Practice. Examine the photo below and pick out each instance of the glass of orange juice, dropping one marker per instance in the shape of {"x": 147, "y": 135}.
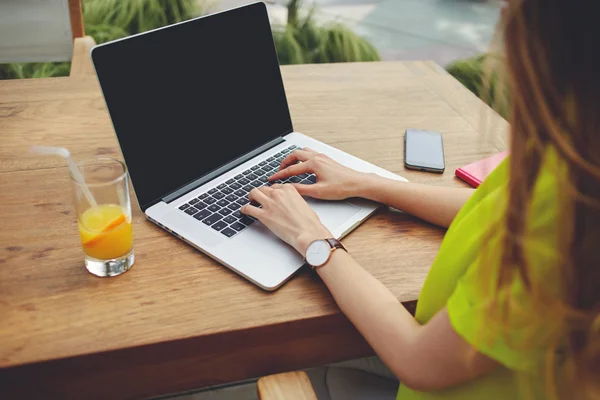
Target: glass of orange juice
{"x": 104, "y": 227}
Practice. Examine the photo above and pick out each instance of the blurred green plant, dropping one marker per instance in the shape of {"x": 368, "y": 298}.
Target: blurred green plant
{"x": 34, "y": 70}
{"x": 104, "y": 32}
{"x": 107, "y": 20}
{"x": 303, "y": 41}
{"x": 135, "y": 16}
{"x": 469, "y": 72}
{"x": 482, "y": 76}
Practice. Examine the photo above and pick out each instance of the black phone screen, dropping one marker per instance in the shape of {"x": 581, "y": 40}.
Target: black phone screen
{"x": 424, "y": 150}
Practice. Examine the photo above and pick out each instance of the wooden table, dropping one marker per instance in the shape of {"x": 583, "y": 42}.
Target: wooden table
{"x": 178, "y": 320}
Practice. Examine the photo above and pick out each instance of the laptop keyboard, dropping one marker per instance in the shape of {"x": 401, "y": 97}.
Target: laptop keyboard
{"x": 219, "y": 207}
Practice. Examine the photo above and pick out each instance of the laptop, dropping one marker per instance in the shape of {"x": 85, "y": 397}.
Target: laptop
{"x": 201, "y": 116}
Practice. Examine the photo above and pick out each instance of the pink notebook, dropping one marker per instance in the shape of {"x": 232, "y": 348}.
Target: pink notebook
{"x": 476, "y": 172}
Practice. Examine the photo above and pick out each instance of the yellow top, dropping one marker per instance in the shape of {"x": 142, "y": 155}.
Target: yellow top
{"x": 463, "y": 278}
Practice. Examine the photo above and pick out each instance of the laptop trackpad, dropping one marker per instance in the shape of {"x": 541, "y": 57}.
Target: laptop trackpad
{"x": 333, "y": 213}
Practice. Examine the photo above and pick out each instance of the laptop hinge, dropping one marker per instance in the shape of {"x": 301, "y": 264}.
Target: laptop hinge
{"x": 220, "y": 171}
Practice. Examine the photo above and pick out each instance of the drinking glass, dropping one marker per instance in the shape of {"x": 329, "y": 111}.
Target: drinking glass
{"x": 104, "y": 227}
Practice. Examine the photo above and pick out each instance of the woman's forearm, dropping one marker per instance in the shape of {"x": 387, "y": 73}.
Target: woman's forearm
{"x": 424, "y": 357}
{"x": 421, "y": 356}
{"x": 382, "y": 320}
{"x": 436, "y": 204}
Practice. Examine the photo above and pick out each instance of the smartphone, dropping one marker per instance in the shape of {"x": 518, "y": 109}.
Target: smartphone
{"x": 424, "y": 151}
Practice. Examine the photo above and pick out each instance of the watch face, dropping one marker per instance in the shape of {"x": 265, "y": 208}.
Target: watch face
{"x": 318, "y": 252}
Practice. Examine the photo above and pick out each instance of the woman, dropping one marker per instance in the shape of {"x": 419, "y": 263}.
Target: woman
{"x": 511, "y": 306}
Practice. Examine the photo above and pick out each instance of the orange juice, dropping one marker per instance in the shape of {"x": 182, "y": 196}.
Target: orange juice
{"x": 105, "y": 232}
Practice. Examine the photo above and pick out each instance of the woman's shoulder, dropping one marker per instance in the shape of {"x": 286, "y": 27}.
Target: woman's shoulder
{"x": 485, "y": 205}
{"x": 489, "y": 202}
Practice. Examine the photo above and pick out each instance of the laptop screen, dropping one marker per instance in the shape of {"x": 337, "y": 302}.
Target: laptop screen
{"x": 187, "y": 99}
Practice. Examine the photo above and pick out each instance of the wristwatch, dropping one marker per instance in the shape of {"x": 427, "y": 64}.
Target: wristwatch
{"x": 319, "y": 251}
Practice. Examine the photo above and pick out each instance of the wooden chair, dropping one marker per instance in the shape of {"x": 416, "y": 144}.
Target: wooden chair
{"x": 81, "y": 62}
{"x": 286, "y": 386}
{"x": 45, "y": 31}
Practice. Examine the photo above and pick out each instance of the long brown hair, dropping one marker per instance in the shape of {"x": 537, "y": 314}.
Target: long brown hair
{"x": 552, "y": 54}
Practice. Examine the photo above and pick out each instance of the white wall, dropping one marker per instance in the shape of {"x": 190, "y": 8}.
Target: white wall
{"x": 35, "y": 31}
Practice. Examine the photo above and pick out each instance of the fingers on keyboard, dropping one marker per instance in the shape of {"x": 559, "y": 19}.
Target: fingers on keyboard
{"x": 219, "y": 207}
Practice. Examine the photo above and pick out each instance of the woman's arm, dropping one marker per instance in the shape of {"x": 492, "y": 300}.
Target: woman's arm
{"x": 425, "y": 357}
{"x": 435, "y": 204}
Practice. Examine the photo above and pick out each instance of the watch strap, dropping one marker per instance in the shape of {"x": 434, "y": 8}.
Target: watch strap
{"x": 336, "y": 244}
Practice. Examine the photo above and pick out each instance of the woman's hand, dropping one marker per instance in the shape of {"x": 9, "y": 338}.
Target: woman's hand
{"x": 287, "y": 214}
{"x": 334, "y": 181}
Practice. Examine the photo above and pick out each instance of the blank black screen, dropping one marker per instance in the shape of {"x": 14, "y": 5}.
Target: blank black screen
{"x": 190, "y": 98}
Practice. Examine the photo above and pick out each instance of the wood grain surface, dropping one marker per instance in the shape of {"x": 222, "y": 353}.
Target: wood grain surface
{"x": 287, "y": 386}
{"x": 177, "y": 320}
